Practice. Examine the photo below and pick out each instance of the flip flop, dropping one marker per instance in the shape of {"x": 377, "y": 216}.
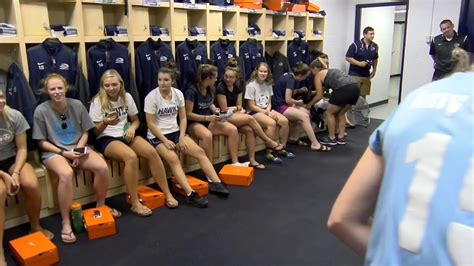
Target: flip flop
{"x": 144, "y": 212}
{"x": 68, "y": 238}
{"x": 277, "y": 147}
{"x": 257, "y": 166}
{"x": 115, "y": 213}
{"x": 322, "y": 148}
{"x": 298, "y": 142}
{"x": 171, "y": 205}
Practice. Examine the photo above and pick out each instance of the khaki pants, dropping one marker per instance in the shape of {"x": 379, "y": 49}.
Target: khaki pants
{"x": 364, "y": 85}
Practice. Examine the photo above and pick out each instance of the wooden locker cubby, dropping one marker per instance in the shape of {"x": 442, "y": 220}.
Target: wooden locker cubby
{"x": 271, "y": 46}
{"x": 248, "y": 16}
{"x": 315, "y": 22}
{"x": 9, "y": 52}
{"x": 186, "y": 16}
{"x": 145, "y": 17}
{"x": 275, "y": 21}
{"x": 97, "y": 16}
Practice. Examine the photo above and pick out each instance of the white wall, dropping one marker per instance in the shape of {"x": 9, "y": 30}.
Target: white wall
{"x": 418, "y": 65}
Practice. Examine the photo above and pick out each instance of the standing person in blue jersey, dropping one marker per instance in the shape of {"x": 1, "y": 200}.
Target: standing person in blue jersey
{"x": 110, "y": 110}
{"x": 163, "y": 107}
{"x": 61, "y": 125}
{"x": 284, "y": 103}
{"x": 362, "y": 56}
{"x": 442, "y": 46}
{"x": 15, "y": 173}
{"x": 258, "y": 94}
{"x": 229, "y": 97}
{"x": 345, "y": 93}
{"x": 204, "y": 115}
{"x": 417, "y": 174}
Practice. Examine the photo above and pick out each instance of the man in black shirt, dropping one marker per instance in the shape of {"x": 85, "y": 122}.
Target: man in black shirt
{"x": 442, "y": 46}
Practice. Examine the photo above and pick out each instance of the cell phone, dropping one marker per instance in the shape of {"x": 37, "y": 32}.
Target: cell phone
{"x": 82, "y": 150}
{"x": 112, "y": 114}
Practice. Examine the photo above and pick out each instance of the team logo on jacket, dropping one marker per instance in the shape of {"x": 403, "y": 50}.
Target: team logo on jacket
{"x": 148, "y": 57}
{"x": 40, "y": 65}
{"x": 219, "y": 57}
{"x": 230, "y": 56}
{"x": 186, "y": 57}
{"x": 247, "y": 56}
{"x": 64, "y": 66}
{"x": 163, "y": 58}
{"x": 99, "y": 63}
{"x": 119, "y": 60}
{"x": 198, "y": 57}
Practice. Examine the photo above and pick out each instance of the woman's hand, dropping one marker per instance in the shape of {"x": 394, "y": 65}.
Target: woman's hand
{"x": 273, "y": 115}
{"x": 212, "y": 118}
{"x": 182, "y": 145}
{"x": 111, "y": 120}
{"x": 169, "y": 144}
{"x": 12, "y": 185}
{"x": 129, "y": 134}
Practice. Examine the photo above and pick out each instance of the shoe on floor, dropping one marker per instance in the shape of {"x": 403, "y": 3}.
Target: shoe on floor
{"x": 196, "y": 200}
{"x": 287, "y": 154}
{"x": 328, "y": 141}
{"x": 272, "y": 158}
{"x": 341, "y": 141}
{"x": 219, "y": 189}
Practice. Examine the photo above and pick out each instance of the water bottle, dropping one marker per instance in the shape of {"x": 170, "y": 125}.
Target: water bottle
{"x": 76, "y": 218}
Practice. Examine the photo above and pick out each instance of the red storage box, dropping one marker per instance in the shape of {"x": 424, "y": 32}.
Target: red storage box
{"x": 236, "y": 175}
{"x": 201, "y": 187}
{"x": 99, "y": 222}
{"x": 149, "y": 197}
{"x": 34, "y": 249}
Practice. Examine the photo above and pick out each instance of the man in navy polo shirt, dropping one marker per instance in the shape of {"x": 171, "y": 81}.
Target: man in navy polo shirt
{"x": 363, "y": 56}
{"x": 442, "y": 46}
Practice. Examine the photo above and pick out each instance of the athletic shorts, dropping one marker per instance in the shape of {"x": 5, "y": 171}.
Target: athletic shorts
{"x": 364, "y": 85}
{"x": 7, "y": 163}
{"x": 102, "y": 142}
{"x": 282, "y": 109}
{"x": 348, "y": 94}
{"x": 174, "y": 137}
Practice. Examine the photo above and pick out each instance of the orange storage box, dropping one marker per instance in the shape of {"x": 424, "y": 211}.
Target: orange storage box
{"x": 34, "y": 249}
{"x": 149, "y": 197}
{"x": 248, "y": 4}
{"x": 275, "y": 5}
{"x": 99, "y": 222}
{"x": 294, "y": 7}
{"x": 201, "y": 187}
{"x": 236, "y": 175}
{"x": 312, "y": 7}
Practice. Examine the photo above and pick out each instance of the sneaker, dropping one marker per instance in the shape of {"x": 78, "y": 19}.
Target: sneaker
{"x": 341, "y": 141}
{"x": 272, "y": 158}
{"x": 287, "y": 154}
{"x": 219, "y": 189}
{"x": 328, "y": 141}
{"x": 196, "y": 200}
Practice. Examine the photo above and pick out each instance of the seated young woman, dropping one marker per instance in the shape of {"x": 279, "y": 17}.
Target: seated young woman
{"x": 345, "y": 93}
{"x": 202, "y": 113}
{"x": 110, "y": 110}
{"x": 229, "y": 97}
{"x": 295, "y": 110}
{"x": 258, "y": 94}
{"x": 163, "y": 106}
{"x": 15, "y": 173}
{"x": 60, "y": 125}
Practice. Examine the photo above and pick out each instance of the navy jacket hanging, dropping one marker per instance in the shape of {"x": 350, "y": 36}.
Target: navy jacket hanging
{"x": 190, "y": 54}
{"x": 278, "y": 64}
{"x": 251, "y": 53}
{"x": 52, "y": 56}
{"x": 149, "y": 58}
{"x": 221, "y": 52}
{"x": 107, "y": 54}
{"x": 19, "y": 96}
{"x": 298, "y": 51}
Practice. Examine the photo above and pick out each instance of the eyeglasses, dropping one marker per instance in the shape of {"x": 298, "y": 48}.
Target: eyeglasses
{"x": 63, "y": 124}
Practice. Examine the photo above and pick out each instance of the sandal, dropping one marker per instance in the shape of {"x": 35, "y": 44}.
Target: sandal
{"x": 45, "y": 232}
{"x": 257, "y": 166}
{"x": 68, "y": 238}
{"x": 298, "y": 142}
{"x": 171, "y": 203}
{"x": 115, "y": 213}
{"x": 277, "y": 147}
{"x": 144, "y": 211}
{"x": 322, "y": 148}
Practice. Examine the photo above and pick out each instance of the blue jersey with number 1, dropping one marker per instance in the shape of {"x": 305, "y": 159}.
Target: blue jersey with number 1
{"x": 425, "y": 208}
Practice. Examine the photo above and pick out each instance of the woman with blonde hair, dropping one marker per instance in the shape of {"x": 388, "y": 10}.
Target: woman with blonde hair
{"x": 61, "y": 127}
{"x": 111, "y": 110}
{"x": 15, "y": 173}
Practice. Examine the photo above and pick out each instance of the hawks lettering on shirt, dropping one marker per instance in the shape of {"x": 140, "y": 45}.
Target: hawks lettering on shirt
{"x": 167, "y": 111}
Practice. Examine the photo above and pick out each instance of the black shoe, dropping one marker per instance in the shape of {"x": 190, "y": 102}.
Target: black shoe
{"x": 219, "y": 189}
{"x": 196, "y": 200}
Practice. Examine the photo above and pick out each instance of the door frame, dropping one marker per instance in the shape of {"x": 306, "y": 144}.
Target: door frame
{"x": 357, "y": 32}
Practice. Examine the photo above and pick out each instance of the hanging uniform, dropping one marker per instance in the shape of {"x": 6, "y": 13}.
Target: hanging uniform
{"x": 252, "y": 55}
{"x": 279, "y": 65}
{"x": 51, "y": 56}
{"x": 107, "y": 54}
{"x": 298, "y": 51}
{"x": 190, "y": 54}
{"x": 149, "y": 58}
{"x": 221, "y": 52}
